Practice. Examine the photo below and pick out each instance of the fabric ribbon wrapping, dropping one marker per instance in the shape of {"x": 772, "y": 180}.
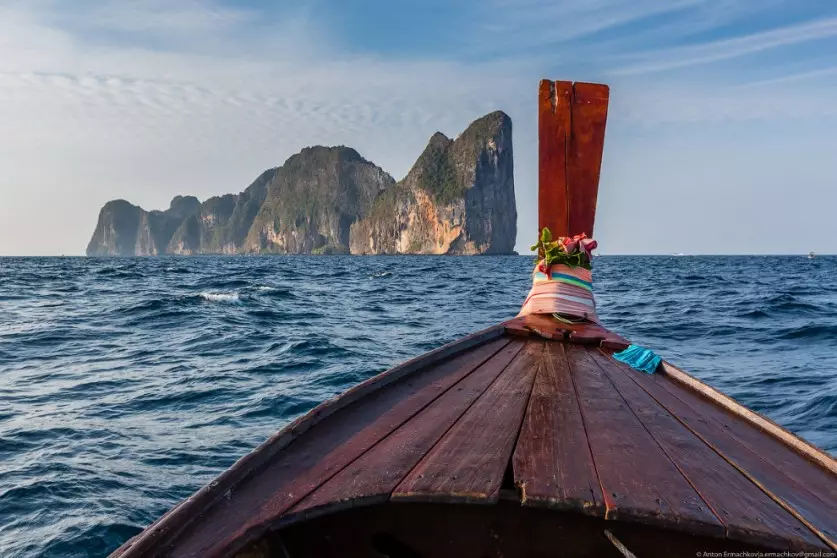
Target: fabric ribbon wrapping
{"x": 563, "y": 290}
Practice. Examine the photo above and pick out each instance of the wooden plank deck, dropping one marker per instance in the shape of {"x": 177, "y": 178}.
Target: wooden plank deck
{"x": 639, "y": 482}
{"x": 803, "y": 488}
{"x": 373, "y": 477}
{"x": 553, "y": 466}
{"x": 580, "y": 433}
{"x": 467, "y": 465}
{"x": 758, "y": 518}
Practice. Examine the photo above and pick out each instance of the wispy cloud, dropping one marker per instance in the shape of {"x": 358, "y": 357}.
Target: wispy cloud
{"x": 202, "y": 121}
{"x": 521, "y": 25}
{"x": 704, "y": 53}
{"x": 149, "y": 99}
{"x": 789, "y": 78}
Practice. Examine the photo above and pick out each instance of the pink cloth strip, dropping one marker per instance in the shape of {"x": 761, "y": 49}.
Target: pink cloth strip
{"x": 564, "y": 291}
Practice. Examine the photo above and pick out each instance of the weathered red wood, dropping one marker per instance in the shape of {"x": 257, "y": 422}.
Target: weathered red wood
{"x": 554, "y": 124}
{"x": 748, "y": 513}
{"x": 553, "y": 466}
{"x": 639, "y": 482}
{"x": 799, "y": 446}
{"x": 615, "y": 342}
{"x": 373, "y": 476}
{"x": 327, "y": 447}
{"x": 168, "y": 527}
{"x": 589, "y": 118}
{"x": 540, "y": 324}
{"x": 588, "y": 334}
{"x": 468, "y": 463}
{"x": 549, "y": 328}
{"x": 804, "y": 488}
{"x": 799, "y": 469}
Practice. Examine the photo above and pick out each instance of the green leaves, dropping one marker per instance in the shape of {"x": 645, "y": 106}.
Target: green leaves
{"x": 554, "y": 252}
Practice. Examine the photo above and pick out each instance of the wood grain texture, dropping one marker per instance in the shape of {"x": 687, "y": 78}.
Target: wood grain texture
{"x": 554, "y": 129}
{"x": 553, "y": 466}
{"x": 468, "y": 463}
{"x": 547, "y": 327}
{"x": 748, "y": 513}
{"x": 589, "y": 118}
{"x": 373, "y": 476}
{"x": 639, "y": 481}
{"x": 168, "y": 527}
{"x": 803, "y": 447}
{"x": 803, "y": 488}
{"x": 329, "y": 446}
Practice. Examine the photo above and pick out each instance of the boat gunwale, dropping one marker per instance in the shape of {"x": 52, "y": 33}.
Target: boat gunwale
{"x": 799, "y": 445}
{"x": 624, "y": 516}
{"x": 177, "y": 519}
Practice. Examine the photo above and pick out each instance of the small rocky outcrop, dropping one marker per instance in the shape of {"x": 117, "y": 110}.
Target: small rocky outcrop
{"x": 124, "y": 229}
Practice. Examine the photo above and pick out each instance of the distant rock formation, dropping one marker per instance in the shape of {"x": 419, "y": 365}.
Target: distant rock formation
{"x": 221, "y": 223}
{"x": 457, "y": 199}
{"x": 313, "y": 200}
{"x": 125, "y": 229}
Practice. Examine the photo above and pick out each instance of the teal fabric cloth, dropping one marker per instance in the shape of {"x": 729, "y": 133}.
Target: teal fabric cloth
{"x": 639, "y": 358}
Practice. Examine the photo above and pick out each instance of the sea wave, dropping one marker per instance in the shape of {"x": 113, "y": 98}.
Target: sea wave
{"x": 221, "y": 297}
{"x": 154, "y": 374}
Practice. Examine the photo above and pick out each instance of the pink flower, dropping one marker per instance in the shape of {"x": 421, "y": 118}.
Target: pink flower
{"x": 587, "y": 246}
{"x": 569, "y": 244}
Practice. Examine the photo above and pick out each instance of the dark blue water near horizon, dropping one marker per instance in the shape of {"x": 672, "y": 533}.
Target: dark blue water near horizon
{"x": 126, "y": 384}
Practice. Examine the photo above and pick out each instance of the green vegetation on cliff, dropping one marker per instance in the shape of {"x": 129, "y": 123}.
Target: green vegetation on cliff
{"x": 438, "y": 174}
{"x": 330, "y": 200}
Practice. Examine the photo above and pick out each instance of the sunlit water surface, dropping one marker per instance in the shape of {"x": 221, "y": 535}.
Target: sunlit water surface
{"x": 126, "y": 384}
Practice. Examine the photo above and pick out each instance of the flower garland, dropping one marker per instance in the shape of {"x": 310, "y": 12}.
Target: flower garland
{"x": 575, "y": 251}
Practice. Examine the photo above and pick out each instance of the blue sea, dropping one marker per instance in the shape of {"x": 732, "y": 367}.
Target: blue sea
{"x": 126, "y": 384}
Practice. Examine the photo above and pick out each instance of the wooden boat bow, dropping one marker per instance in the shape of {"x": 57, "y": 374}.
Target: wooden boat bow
{"x": 525, "y": 439}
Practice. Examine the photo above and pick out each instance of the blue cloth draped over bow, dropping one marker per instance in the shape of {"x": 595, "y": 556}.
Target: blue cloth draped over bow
{"x": 639, "y": 358}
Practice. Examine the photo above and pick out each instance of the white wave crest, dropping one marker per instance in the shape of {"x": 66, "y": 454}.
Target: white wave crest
{"x": 220, "y": 297}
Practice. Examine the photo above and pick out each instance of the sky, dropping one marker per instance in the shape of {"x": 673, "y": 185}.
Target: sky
{"x": 721, "y": 138}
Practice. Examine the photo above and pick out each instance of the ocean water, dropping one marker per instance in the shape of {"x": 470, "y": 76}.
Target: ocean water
{"x": 126, "y": 384}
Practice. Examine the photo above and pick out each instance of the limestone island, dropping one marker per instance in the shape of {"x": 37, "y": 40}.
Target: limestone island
{"x": 458, "y": 198}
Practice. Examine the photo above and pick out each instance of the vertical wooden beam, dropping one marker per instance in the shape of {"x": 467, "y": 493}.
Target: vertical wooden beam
{"x": 571, "y": 122}
{"x": 589, "y": 117}
{"x": 554, "y": 125}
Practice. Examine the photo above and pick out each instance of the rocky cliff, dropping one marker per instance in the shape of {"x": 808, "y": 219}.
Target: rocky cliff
{"x": 457, "y": 199}
{"x": 221, "y": 223}
{"x": 124, "y": 229}
{"x": 313, "y": 200}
